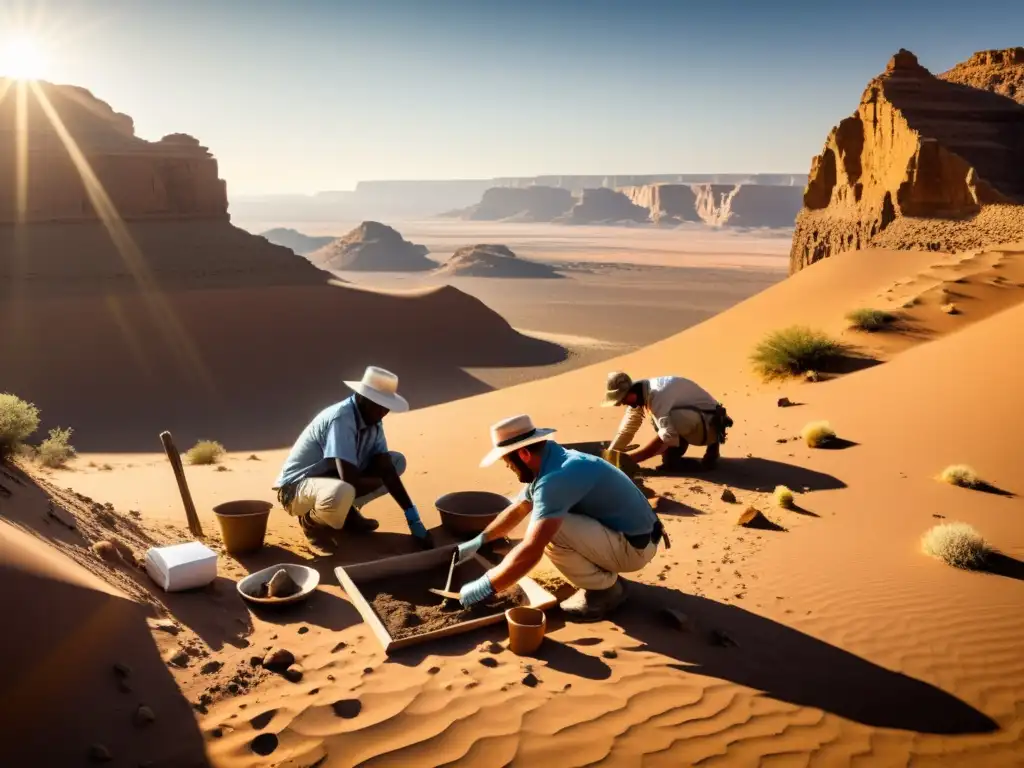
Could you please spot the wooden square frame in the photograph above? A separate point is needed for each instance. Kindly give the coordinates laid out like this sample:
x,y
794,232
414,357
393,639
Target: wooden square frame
x,y
351,576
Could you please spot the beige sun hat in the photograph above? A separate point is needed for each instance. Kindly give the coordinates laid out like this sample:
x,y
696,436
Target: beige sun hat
x,y
381,387
511,435
616,388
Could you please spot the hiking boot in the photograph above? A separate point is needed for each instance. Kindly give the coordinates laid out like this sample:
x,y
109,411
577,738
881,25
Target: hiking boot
x,y
710,457
313,528
594,604
356,522
672,459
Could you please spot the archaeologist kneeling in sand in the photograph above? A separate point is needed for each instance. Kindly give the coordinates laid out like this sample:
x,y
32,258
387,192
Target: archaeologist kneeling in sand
x,y
341,462
588,517
681,412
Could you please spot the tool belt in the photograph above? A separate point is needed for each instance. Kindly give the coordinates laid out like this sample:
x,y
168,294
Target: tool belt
x,y
641,540
718,418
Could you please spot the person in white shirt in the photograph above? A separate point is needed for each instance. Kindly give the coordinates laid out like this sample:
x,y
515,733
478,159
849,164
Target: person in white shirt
x,y
681,412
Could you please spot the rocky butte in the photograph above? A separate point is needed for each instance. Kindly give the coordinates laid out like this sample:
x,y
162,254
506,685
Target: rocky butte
x,y
999,71
922,164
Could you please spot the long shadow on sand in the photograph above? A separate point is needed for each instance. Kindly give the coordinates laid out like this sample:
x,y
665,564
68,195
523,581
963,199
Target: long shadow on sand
x,y
791,666
755,474
1004,565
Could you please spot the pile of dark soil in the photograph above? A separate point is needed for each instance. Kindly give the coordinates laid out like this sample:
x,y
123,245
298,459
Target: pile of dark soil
x,y
406,608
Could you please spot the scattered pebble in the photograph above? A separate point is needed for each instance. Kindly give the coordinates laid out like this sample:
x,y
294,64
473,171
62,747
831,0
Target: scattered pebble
x,y
339,647
347,708
105,550
367,670
675,619
264,744
98,753
728,496
210,667
785,402
294,673
487,661
180,659
144,716
433,670
303,630
165,625
253,457
610,654
530,680
278,658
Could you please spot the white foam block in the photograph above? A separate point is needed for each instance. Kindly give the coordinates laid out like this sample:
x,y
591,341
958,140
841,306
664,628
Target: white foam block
x,y
182,566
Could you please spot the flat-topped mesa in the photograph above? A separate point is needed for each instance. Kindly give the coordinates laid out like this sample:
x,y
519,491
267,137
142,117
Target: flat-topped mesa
x,y
917,148
999,71
174,178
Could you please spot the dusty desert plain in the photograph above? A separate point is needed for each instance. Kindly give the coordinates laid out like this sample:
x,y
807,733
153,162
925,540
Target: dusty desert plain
x,y
825,637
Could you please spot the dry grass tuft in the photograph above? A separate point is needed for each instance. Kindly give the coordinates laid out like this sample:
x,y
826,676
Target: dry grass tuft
x,y
870,319
205,452
957,544
783,497
962,475
817,433
793,351
18,420
56,450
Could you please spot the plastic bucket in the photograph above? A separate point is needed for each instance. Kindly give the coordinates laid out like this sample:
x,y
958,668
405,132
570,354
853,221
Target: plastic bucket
x,y
526,627
243,524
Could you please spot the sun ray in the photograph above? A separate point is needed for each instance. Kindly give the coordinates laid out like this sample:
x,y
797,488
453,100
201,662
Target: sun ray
x,y
21,151
175,334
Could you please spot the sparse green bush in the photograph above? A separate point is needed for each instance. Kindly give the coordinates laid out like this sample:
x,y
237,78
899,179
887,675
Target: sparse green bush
x,y
55,451
817,433
18,420
962,475
794,350
205,452
958,544
870,319
783,497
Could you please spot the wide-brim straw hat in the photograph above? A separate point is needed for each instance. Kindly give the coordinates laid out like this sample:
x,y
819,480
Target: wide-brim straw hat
x,y
381,387
511,435
616,389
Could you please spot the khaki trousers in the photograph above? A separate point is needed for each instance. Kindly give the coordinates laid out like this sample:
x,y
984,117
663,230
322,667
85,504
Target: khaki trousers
x,y
692,427
328,499
590,556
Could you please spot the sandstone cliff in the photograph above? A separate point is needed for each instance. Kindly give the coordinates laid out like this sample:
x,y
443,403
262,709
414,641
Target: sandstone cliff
x,y
484,260
373,247
999,71
719,205
174,178
914,167
524,204
605,206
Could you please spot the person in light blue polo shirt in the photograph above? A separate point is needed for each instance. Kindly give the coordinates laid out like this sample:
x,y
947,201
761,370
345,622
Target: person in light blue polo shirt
x,y
586,515
341,461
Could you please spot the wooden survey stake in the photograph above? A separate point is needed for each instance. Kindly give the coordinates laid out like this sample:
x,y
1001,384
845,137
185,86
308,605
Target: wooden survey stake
x,y
179,474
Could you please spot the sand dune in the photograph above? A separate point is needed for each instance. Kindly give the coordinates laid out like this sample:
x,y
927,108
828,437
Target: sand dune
x,y
850,645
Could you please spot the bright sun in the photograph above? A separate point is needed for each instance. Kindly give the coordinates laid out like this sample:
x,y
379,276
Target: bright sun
x,y
21,58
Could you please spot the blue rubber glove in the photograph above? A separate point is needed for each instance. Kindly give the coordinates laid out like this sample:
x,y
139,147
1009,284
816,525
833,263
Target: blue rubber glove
x,y
412,516
469,548
475,591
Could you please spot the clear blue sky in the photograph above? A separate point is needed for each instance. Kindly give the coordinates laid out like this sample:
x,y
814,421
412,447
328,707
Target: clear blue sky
x,y
305,95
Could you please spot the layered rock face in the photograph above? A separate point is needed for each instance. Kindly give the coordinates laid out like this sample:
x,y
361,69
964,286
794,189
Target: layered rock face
x,y
917,148
605,206
373,247
666,203
174,178
999,71
524,204
719,205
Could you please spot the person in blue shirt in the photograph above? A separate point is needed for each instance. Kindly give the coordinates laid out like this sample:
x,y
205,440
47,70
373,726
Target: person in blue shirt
x,y
586,515
340,462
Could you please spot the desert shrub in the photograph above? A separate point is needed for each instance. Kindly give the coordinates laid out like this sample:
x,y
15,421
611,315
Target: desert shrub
x,y
958,544
817,433
962,475
205,452
794,350
55,451
783,497
18,420
870,319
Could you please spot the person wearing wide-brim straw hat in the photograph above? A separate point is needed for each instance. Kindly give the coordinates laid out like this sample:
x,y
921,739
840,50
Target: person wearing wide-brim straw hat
x,y
589,518
682,413
341,462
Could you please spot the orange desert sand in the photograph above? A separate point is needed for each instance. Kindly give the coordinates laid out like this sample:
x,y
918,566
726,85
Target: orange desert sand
x,y
831,641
